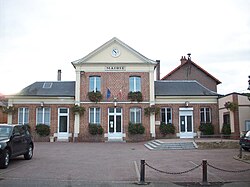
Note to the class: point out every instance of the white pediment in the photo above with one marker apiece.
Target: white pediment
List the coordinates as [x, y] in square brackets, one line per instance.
[104, 54]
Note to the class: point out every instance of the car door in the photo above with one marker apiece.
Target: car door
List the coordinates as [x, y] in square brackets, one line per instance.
[17, 141]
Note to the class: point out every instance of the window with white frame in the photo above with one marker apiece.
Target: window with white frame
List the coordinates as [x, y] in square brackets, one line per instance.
[95, 116]
[135, 115]
[43, 116]
[205, 115]
[23, 115]
[94, 83]
[166, 115]
[135, 84]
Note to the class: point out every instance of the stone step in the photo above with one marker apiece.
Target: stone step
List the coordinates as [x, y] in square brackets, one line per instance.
[158, 145]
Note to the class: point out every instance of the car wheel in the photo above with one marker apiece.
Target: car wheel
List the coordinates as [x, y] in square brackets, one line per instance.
[28, 155]
[4, 162]
[246, 149]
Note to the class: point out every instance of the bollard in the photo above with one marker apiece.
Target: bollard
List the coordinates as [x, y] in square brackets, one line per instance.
[142, 177]
[204, 172]
[142, 174]
[240, 155]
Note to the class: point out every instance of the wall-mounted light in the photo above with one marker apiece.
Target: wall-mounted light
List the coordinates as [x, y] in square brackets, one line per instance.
[115, 101]
[186, 103]
[41, 104]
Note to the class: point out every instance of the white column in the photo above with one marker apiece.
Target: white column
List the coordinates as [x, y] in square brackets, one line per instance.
[152, 125]
[152, 101]
[9, 119]
[77, 101]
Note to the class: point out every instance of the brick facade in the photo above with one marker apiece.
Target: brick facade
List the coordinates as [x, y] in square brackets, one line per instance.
[196, 116]
[115, 82]
[189, 71]
[53, 116]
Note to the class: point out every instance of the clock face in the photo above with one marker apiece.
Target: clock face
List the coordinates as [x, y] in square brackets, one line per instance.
[115, 52]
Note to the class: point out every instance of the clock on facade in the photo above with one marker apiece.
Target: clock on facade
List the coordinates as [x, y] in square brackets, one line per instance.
[115, 52]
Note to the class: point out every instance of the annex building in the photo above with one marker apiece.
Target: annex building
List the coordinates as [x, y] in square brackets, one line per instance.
[116, 85]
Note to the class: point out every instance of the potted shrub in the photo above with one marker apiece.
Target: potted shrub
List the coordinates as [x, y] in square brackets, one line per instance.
[95, 129]
[95, 96]
[78, 109]
[151, 110]
[226, 130]
[167, 128]
[8, 109]
[231, 106]
[43, 130]
[206, 128]
[135, 96]
[136, 128]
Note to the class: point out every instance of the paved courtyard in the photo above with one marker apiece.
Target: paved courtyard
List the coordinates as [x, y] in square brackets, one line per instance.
[119, 163]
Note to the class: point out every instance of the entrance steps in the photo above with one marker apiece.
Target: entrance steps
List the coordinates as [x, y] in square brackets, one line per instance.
[160, 145]
[115, 139]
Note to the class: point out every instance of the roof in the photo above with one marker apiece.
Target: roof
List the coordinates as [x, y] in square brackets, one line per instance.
[3, 103]
[181, 88]
[108, 43]
[56, 88]
[197, 66]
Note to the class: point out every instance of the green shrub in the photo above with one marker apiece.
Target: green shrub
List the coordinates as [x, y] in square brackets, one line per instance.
[27, 126]
[95, 96]
[226, 129]
[151, 110]
[43, 130]
[136, 128]
[206, 128]
[78, 109]
[167, 128]
[135, 96]
[95, 129]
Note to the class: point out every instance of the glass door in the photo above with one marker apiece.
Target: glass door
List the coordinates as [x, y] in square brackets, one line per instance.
[186, 124]
[63, 123]
[115, 123]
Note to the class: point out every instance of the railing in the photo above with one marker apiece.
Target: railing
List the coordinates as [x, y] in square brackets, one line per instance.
[203, 164]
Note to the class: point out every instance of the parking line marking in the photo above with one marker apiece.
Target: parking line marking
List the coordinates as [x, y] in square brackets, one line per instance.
[210, 173]
[137, 171]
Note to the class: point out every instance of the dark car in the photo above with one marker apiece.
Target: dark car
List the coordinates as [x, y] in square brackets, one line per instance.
[245, 141]
[15, 140]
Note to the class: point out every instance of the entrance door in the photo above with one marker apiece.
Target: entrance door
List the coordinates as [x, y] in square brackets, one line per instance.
[63, 124]
[115, 124]
[186, 123]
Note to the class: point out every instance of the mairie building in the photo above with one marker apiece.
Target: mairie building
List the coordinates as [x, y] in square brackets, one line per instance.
[119, 89]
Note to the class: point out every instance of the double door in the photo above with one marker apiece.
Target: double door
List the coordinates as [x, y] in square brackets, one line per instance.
[115, 123]
[186, 123]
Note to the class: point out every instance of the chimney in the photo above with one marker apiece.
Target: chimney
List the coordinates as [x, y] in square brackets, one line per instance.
[158, 70]
[183, 60]
[59, 74]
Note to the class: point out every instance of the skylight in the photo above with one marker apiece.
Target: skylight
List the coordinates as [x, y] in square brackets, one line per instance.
[47, 85]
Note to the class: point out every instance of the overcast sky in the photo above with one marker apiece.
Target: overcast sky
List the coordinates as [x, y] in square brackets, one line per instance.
[38, 37]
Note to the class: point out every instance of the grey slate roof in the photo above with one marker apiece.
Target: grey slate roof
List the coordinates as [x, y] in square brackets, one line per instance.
[181, 88]
[58, 88]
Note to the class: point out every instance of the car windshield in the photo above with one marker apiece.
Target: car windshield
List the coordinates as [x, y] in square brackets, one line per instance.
[5, 132]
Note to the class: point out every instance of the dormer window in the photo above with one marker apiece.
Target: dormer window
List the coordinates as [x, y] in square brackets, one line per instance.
[134, 84]
[47, 85]
[95, 83]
